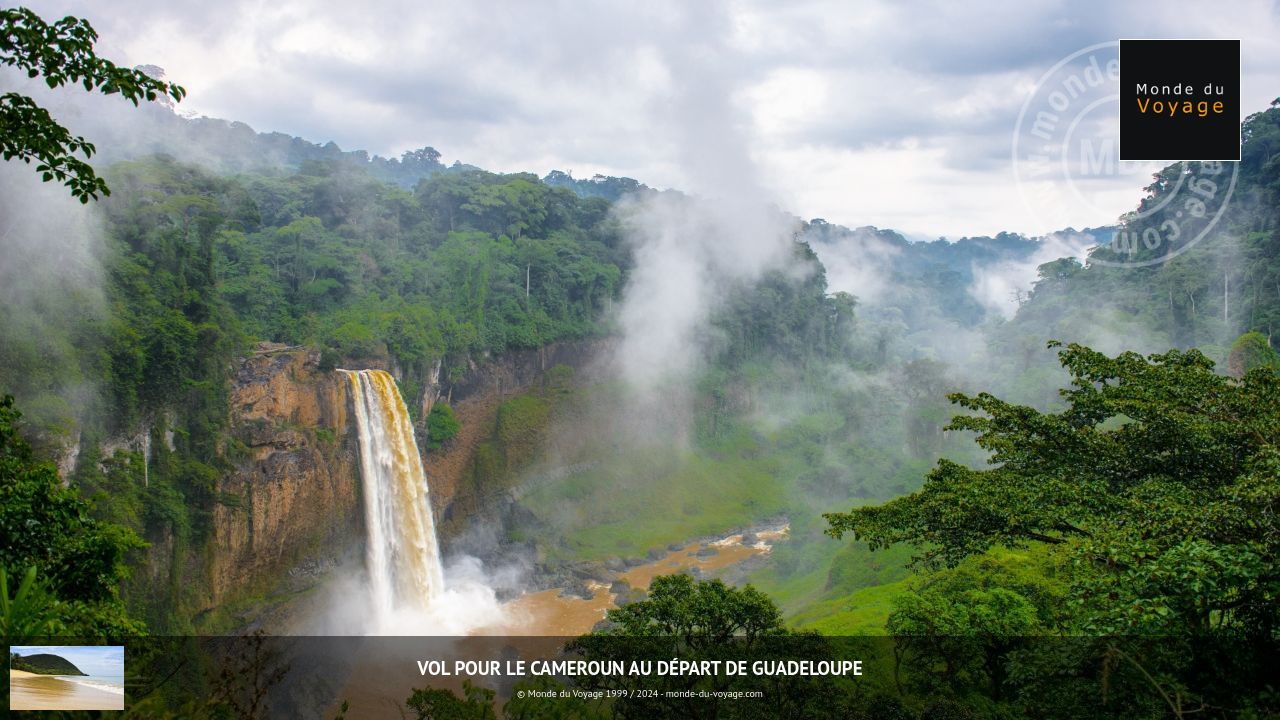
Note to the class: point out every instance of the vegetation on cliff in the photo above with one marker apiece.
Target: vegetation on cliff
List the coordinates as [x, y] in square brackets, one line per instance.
[1135, 505]
[43, 664]
[61, 569]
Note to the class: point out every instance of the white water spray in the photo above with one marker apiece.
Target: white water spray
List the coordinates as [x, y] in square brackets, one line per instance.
[403, 558]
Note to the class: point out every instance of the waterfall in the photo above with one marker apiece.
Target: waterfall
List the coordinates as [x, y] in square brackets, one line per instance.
[403, 557]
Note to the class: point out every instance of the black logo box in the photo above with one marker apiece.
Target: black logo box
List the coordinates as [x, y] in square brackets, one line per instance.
[1157, 73]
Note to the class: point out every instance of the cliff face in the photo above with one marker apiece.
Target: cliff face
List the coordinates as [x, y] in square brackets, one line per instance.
[476, 398]
[292, 508]
[295, 500]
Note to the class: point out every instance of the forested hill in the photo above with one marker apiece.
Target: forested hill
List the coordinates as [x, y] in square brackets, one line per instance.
[123, 132]
[198, 265]
[281, 239]
[233, 147]
[273, 237]
[1223, 286]
[231, 236]
[940, 279]
[44, 664]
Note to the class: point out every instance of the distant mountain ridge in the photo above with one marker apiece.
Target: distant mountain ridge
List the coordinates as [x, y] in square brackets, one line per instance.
[44, 664]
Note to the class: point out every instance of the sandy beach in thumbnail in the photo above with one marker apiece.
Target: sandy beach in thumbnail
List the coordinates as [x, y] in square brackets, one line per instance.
[28, 691]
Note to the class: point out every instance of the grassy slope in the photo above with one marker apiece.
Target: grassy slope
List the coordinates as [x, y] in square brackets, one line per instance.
[623, 501]
[836, 586]
[636, 501]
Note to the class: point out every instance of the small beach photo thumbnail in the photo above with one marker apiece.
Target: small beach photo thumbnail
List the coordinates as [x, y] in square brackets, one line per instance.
[66, 677]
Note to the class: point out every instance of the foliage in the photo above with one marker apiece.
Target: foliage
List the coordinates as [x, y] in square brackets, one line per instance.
[702, 614]
[684, 619]
[442, 425]
[62, 53]
[1250, 351]
[598, 186]
[961, 625]
[785, 315]
[48, 527]
[30, 612]
[1150, 476]
[476, 703]
[1146, 489]
[470, 261]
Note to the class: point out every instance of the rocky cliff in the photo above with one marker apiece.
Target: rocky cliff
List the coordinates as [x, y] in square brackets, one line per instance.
[294, 506]
[475, 398]
[291, 510]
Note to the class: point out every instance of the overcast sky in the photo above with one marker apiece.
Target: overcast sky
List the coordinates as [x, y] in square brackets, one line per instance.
[90, 659]
[894, 114]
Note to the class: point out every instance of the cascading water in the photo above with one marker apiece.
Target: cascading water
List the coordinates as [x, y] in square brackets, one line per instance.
[403, 557]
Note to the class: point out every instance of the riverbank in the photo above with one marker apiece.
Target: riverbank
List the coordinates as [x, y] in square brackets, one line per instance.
[569, 612]
[29, 691]
[537, 623]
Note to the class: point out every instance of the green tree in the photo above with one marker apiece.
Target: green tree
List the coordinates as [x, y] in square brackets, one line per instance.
[442, 425]
[48, 527]
[61, 52]
[1155, 485]
[476, 703]
[703, 614]
[1251, 350]
[955, 629]
[704, 620]
[1155, 477]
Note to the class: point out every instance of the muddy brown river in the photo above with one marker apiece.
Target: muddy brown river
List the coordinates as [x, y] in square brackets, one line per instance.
[551, 613]
[536, 625]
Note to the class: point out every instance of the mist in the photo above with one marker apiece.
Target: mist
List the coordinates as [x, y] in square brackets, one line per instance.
[688, 250]
[51, 288]
[1001, 286]
[861, 264]
[473, 600]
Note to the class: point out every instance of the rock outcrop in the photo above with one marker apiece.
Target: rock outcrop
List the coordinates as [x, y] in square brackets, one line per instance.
[475, 398]
[293, 504]
[291, 510]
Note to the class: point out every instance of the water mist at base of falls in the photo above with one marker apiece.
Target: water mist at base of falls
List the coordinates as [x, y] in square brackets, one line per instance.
[405, 585]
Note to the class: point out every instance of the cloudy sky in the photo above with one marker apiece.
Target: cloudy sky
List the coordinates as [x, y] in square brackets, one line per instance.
[90, 659]
[894, 114]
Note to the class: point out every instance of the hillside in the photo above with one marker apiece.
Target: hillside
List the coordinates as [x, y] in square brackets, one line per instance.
[468, 266]
[44, 664]
[596, 370]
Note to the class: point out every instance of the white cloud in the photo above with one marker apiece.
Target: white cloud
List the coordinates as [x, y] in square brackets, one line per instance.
[999, 285]
[892, 114]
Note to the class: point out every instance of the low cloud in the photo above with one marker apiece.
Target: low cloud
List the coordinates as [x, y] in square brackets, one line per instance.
[1000, 286]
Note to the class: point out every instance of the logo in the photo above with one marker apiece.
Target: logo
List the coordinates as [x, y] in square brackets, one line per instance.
[1180, 100]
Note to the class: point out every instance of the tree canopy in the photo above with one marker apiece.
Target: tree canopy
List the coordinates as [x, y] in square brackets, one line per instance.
[63, 567]
[1154, 479]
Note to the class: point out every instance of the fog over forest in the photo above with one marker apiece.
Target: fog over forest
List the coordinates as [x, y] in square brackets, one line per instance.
[710, 332]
